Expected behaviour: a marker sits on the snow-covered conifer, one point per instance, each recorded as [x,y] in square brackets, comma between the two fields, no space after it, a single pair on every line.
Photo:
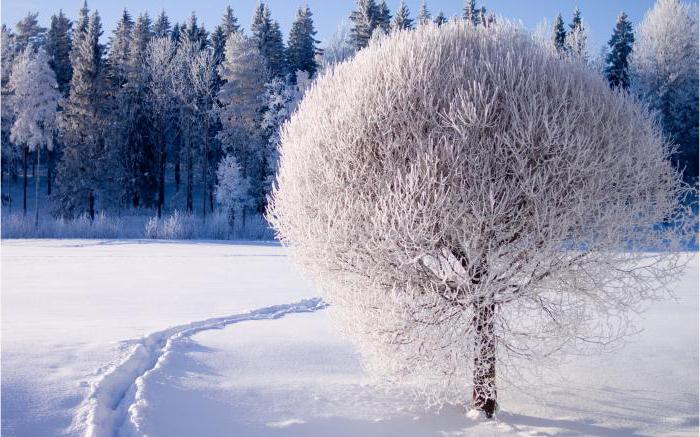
[383,17]
[402,19]
[364,21]
[82,173]
[423,16]
[232,188]
[229,23]
[58,45]
[617,60]
[161,27]
[471,13]
[576,38]
[559,36]
[267,35]
[302,45]
[29,33]
[440,19]
[459,212]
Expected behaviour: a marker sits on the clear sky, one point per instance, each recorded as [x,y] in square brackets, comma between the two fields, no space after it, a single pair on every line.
[600,15]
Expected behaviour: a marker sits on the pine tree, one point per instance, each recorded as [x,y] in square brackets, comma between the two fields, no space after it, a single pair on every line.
[384,17]
[364,21]
[83,173]
[58,45]
[559,36]
[267,35]
[218,42]
[302,46]
[423,14]
[229,23]
[440,19]
[35,95]
[617,60]
[471,13]
[9,153]
[402,19]
[29,33]
[161,27]
[576,39]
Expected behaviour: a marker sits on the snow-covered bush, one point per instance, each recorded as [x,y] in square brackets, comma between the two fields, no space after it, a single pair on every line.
[465,196]
[16,225]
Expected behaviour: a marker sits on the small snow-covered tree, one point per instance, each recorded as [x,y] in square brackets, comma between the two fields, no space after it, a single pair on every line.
[232,189]
[338,48]
[440,19]
[665,75]
[576,38]
[302,44]
[35,94]
[461,212]
[559,35]
[423,14]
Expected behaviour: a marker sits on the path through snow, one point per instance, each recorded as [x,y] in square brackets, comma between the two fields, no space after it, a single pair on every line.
[112,406]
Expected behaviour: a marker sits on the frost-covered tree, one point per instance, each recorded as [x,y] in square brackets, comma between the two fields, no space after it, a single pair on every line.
[617,60]
[559,36]
[471,13]
[440,19]
[267,35]
[423,16]
[159,68]
[229,23]
[461,213]
[665,66]
[383,17]
[193,32]
[576,38]
[241,108]
[161,27]
[29,33]
[302,46]
[83,172]
[9,153]
[338,48]
[58,45]
[232,189]
[402,19]
[118,57]
[35,94]
[364,21]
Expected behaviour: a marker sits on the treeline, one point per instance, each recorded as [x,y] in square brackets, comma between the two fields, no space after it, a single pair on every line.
[206,106]
[202,109]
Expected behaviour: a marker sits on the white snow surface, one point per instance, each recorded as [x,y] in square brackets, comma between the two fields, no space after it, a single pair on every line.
[156,338]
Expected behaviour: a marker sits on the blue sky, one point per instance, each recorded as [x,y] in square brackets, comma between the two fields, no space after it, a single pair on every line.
[599,14]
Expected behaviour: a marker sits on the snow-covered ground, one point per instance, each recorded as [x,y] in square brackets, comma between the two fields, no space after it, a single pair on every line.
[198,338]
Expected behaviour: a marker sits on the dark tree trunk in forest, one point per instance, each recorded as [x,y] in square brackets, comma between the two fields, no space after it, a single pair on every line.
[91,204]
[190,178]
[24,205]
[484,394]
[161,180]
[49,163]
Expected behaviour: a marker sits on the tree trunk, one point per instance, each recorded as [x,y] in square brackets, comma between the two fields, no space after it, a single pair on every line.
[205,171]
[161,182]
[484,395]
[49,162]
[26,152]
[91,205]
[190,177]
[36,189]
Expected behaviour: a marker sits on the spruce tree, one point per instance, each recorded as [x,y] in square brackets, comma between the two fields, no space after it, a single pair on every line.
[8,153]
[302,46]
[440,19]
[194,32]
[402,19]
[617,60]
[176,33]
[423,14]
[559,35]
[119,50]
[471,13]
[364,21]
[218,42]
[267,35]
[29,33]
[384,17]
[83,173]
[229,23]
[58,45]
[161,27]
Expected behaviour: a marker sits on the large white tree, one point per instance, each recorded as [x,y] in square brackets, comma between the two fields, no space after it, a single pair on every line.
[665,74]
[464,196]
[35,99]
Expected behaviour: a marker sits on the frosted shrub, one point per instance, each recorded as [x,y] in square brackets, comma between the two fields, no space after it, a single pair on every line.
[466,198]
